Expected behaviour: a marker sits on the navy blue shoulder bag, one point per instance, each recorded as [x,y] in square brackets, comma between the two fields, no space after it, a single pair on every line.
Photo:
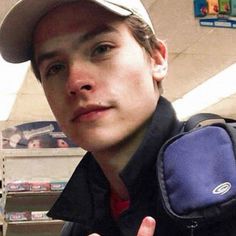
[197,171]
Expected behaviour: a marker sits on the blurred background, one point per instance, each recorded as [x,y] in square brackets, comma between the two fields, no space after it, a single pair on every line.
[201,77]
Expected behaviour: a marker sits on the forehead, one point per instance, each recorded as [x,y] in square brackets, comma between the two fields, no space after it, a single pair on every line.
[70,17]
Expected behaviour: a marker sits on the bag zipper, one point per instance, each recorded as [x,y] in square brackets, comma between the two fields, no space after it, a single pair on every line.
[192,227]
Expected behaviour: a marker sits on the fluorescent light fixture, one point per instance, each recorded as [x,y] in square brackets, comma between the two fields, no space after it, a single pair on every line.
[210,92]
[12,76]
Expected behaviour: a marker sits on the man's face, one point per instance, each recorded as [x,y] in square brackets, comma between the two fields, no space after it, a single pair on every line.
[96,77]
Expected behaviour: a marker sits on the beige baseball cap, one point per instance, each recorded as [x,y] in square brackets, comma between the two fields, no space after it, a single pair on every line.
[17,27]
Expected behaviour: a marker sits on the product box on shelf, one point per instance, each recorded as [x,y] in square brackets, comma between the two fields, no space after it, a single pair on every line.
[57,186]
[213,7]
[18,216]
[233,7]
[200,8]
[17,186]
[39,215]
[40,186]
[224,6]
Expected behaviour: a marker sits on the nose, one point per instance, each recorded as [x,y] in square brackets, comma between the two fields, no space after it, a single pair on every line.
[79,82]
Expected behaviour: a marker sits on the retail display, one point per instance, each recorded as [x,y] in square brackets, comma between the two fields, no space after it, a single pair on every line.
[31,186]
[216,13]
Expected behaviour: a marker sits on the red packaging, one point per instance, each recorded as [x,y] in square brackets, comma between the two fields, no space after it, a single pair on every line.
[57,186]
[39,215]
[18,186]
[40,186]
[18,216]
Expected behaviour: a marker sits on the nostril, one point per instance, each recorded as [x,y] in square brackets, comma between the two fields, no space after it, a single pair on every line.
[77,90]
[86,87]
[73,93]
[75,87]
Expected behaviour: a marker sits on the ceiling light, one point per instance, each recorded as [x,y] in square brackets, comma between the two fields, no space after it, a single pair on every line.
[210,92]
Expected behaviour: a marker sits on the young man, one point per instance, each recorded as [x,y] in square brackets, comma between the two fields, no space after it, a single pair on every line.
[101,67]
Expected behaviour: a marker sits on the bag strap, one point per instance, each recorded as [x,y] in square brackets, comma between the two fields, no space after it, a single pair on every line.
[203,119]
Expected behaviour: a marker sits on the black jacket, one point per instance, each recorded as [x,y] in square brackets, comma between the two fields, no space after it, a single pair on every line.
[85,202]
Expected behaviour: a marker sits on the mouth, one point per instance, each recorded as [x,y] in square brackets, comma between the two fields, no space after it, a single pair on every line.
[89,113]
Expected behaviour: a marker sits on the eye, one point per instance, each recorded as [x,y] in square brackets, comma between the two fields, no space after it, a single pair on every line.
[55,69]
[102,49]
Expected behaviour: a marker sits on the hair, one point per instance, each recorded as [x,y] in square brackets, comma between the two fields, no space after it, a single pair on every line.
[140,30]
[143,34]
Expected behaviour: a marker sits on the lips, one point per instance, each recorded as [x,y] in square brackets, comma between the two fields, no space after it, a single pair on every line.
[88,113]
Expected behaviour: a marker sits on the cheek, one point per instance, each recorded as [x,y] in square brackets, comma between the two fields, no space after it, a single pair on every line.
[55,100]
[134,69]
[51,100]
[137,87]
[135,81]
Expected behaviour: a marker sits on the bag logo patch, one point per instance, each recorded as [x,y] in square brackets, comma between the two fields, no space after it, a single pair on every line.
[222,188]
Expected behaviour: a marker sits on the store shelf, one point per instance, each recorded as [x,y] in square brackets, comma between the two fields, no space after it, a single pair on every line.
[39,165]
[31,193]
[34,228]
[37,223]
[32,170]
[31,201]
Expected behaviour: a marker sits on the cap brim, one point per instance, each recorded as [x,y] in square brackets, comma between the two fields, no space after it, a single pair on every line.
[18,26]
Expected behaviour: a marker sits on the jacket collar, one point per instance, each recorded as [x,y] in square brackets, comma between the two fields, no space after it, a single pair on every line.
[163,126]
[76,202]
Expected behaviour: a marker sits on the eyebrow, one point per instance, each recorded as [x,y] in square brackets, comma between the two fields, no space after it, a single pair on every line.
[99,30]
[102,29]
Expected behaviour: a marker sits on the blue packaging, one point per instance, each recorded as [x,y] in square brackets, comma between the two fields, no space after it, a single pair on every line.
[233,7]
[200,8]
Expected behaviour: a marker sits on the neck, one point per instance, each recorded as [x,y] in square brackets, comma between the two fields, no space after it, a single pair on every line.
[113,160]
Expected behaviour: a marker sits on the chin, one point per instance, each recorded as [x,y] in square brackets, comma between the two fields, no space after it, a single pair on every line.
[95,146]
[97,140]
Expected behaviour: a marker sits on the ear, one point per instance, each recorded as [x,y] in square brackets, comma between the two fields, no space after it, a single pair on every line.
[159,62]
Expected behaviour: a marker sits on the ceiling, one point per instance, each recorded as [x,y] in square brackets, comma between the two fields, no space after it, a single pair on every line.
[195,55]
